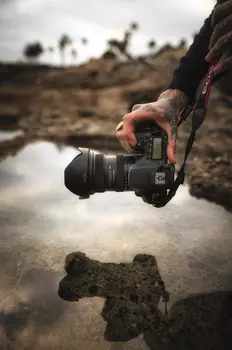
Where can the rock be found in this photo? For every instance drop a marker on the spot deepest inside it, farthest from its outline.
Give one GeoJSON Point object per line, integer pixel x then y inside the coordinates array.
{"type": "Point", "coordinates": [9, 117]}
{"type": "Point", "coordinates": [93, 73]}
{"type": "Point", "coordinates": [85, 113]}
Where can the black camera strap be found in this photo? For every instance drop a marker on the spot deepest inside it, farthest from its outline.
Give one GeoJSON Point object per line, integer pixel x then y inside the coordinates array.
{"type": "Point", "coordinates": [198, 109]}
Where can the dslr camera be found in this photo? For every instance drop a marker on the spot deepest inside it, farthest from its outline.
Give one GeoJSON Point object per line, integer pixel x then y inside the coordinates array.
{"type": "Point", "coordinates": [147, 172]}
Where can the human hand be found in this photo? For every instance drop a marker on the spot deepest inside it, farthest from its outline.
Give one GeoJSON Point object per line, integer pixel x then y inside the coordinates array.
{"type": "Point", "coordinates": [221, 39]}
{"type": "Point", "coordinates": [164, 112]}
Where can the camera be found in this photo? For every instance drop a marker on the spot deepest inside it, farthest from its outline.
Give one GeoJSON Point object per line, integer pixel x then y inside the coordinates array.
{"type": "Point", "coordinates": [147, 172]}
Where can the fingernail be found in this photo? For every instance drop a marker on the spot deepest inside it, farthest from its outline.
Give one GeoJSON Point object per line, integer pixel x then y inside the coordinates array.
{"type": "Point", "coordinates": [218, 67]}
{"type": "Point", "coordinates": [133, 140]}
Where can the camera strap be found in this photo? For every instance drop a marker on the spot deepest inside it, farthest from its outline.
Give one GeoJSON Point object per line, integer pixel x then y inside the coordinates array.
{"type": "Point", "coordinates": [198, 109]}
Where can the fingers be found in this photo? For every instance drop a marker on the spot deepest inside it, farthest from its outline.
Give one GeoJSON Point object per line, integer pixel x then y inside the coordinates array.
{"type": "Point", "coordinates": [219, 48]}
{"type": "Point", "coordinates": [171, 143]}
{"type": "Point", "coordinates": [223, 66]}
{"type": "Point", "coordinates": [127, 136]}
{"type": "Point", "coordinates": [124, 142]}
{"type": "Point", "coordinates": [221, 11]}
{"type": "Point", "coordinates": [129, 123]}
{"type": "Point", "coordinates": [222, 28]}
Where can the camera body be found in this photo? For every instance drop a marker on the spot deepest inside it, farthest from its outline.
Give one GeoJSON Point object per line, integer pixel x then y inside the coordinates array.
{"type": "Point", "coordinates": [152, 169]}
{"type": "Point", "coordinates": [147, 172]}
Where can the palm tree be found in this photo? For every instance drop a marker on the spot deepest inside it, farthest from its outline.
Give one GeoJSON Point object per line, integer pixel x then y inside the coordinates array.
{"type": "Point", "coordinates": [64, 41]}
{"type": "Point", "coordinates": [74, 54]}
{"type": "Point", "coordinates": [33, 51]}
{"type": "Point", "coordinates": [134, 26]}
{"type": "Point", "coordinates": [84, 41]}
{"type": "Point", "coordinates": [151, 44]}
{"type": "Point", "coordinates": [127, 36]}
{"type": "Point", "coordinates": [51, 50]}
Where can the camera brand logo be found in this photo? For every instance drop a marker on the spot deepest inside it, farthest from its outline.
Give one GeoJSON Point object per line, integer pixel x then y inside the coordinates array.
{"type": "Point", "coordinates": [160, 178]}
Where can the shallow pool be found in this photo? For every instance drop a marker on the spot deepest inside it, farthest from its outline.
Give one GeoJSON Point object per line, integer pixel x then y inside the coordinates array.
{"type": "Point", "coordinates": [42, 222]}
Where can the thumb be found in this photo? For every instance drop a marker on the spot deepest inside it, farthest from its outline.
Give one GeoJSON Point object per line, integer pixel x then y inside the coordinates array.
{"type": "Point", "coordinates": [171, 151]}
{"type": "Point", "coordinates": [171, 143]}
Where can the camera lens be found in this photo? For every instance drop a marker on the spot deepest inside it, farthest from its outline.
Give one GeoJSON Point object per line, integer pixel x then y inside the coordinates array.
{"type": "Point", "coordinates": [90, 172]}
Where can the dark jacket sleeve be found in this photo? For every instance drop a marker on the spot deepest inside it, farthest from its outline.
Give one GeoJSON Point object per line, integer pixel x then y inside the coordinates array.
{"type": "Point", "coordinates": [193, 67]}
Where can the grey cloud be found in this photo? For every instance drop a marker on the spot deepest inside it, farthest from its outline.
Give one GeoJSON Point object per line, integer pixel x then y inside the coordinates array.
{"type": "Point", "coordinates": [26, 20]}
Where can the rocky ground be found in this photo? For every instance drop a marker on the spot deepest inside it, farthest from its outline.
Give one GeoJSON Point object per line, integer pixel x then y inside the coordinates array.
{"type": "Point", "coordinates": [81, 106]}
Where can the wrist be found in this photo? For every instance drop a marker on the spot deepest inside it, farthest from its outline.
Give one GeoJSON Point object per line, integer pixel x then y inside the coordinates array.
{"type": "Point", "coordinates": [176, 98]}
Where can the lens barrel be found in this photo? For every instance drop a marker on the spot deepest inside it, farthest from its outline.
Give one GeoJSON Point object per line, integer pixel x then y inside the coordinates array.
{"type": "Point", "coordinates": [89, 173]}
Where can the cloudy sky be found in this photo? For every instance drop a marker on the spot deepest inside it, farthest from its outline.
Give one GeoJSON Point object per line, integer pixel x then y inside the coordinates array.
{"type": "Point", "coordinates": [23, 21]}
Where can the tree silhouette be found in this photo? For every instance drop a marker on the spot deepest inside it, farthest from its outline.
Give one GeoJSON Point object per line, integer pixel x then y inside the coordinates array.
{"type": "Point", "coordinates": [84, 41]}
{"type": "Point", "coordinates": [119, 48]}
{"type": "Point", "coordinates": [134, 26]}
{"type": "Point", "coordinates": [64, 41]}
{"type": "Point", "coordinates": [50, 49]}
{"type": "Point", "coordinates": [74, 54]}
{"type": "Point", "coordinates": [127, 36]}
{"type": "Point", "coordinates": [33, 51]}
{"type": "Point", "coordinates": [151, 45]}
{"type": "Point", "coordinates": [182, 44]}
{"type": "Point", "coordinates": [109, 55]}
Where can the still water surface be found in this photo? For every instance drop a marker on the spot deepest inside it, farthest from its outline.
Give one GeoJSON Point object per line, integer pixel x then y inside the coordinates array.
{"type": "Point", "coordinates": [41, 222]}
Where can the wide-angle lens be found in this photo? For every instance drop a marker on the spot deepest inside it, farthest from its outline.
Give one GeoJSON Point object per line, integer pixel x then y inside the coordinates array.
{"type": "Point", "coordinates": [90, 172]}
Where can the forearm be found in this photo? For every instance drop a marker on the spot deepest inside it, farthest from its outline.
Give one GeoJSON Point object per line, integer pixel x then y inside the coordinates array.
{"type": "Point", "coordinates": [193, 67]}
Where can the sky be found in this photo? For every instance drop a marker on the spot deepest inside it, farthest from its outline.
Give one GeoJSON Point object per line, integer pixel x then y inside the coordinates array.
{"type": "Point", "coordinates": [23, 21]}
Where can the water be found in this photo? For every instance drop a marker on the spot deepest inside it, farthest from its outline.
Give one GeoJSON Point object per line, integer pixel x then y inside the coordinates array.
{"type": "Point", "coordinates": [9, 135]}
{"type": "Point", "coordinates": [42, 222]}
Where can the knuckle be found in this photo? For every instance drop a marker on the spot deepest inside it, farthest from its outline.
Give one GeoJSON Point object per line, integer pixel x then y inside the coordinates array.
{"type": "Point", "coordinates": [136, 106]}
{"type": "Point", "coordinates": [213, 21]}
{"type": "Point", "coordinates": [125, 117]}
{"type": "Point", "coordinates": [221, 11]}
{"type": "Point", "coordinates": [119, 135]}
{"type": "Point", "coordinates": [221, 41]}
{"type": "Point", "coordinates": [216, 32]}
{"type": "Point", "coordinates": [216, 16]}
